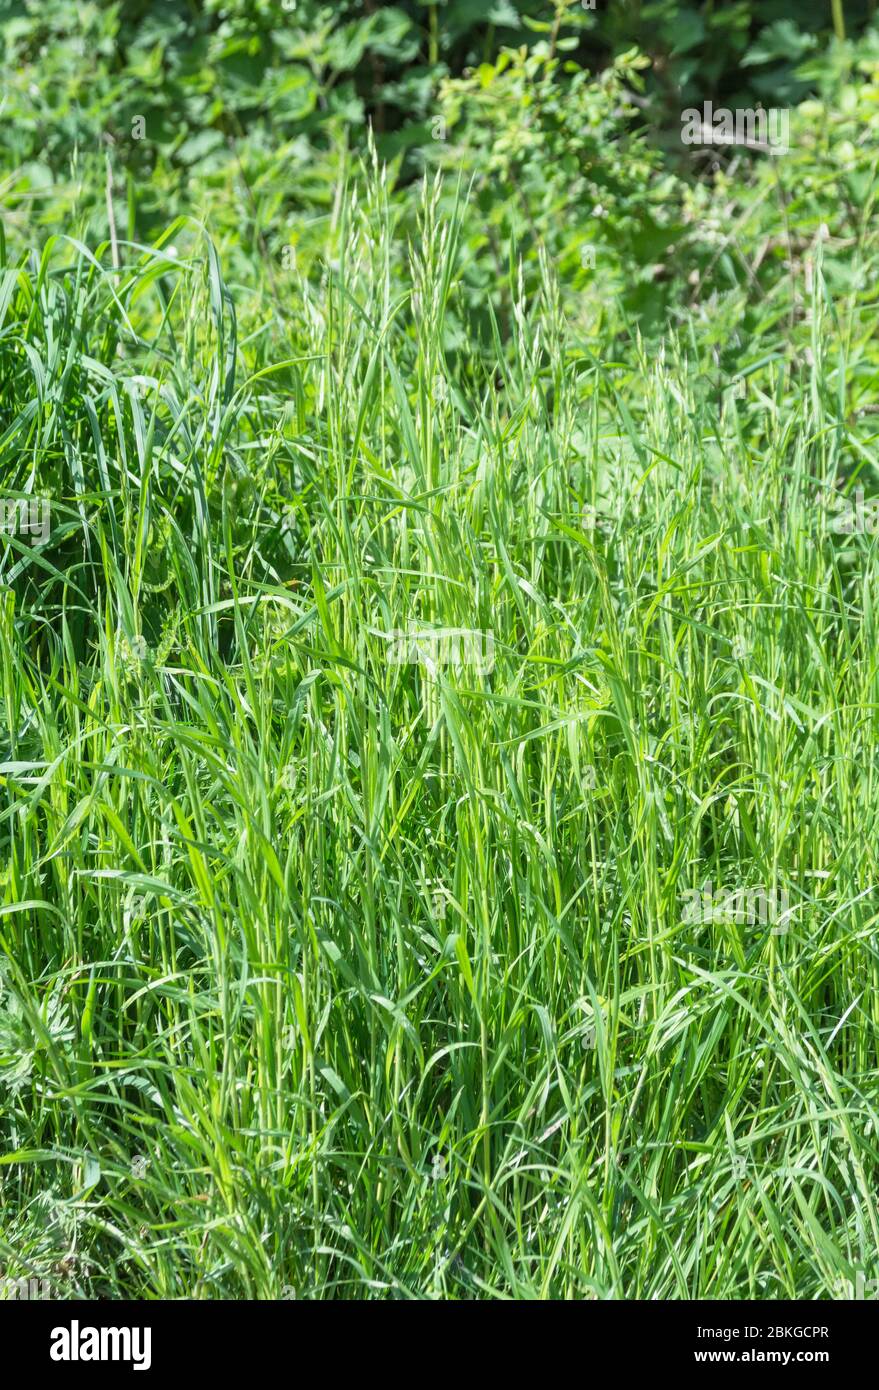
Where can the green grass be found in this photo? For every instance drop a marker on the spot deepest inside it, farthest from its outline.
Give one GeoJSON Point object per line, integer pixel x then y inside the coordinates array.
{"type": "Point", "coordinates": [324, 976]}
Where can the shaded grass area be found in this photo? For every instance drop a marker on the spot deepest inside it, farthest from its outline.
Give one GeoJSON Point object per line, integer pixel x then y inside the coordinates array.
{"type": "Point", "coordinates": [324, 975]}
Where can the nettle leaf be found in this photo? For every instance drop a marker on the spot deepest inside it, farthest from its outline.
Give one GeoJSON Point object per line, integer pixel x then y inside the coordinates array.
{"type": "Point", "coordinates": [686, 31]}
{"type": "Point", "coordinates": [392, 36]}
{"type": "Point", "coordinates": [783, 39]}
{"type": "Point", "coordinates": [241, 68]}
{"type": "Point", "coordinates": [388, 33]}
{"type": "Point", "coordinates": [292, 94]}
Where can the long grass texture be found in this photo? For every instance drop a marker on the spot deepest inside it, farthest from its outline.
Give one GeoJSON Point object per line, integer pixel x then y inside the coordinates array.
{"type": "Point", "coordinates": [338, 968]}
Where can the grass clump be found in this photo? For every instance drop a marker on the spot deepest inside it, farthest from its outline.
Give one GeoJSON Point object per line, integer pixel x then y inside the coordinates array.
{"type": "Point", "coordinates": [343, 954]}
